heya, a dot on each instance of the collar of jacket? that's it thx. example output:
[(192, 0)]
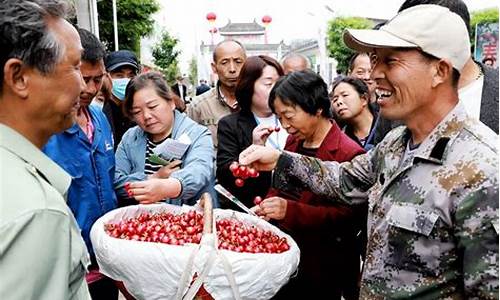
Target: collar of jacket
[(330, 143), (434, 147), (222, 99), (75, 128), (17, 144)]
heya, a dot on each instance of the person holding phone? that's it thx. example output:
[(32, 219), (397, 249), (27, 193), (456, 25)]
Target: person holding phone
[(141, 175)]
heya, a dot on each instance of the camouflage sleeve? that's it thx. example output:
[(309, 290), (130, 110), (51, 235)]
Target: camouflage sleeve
[(347, 182), (477, 236)]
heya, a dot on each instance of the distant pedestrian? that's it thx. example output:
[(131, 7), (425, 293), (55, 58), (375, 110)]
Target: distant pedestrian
[(295, 62), (180, 89), (203, 87)]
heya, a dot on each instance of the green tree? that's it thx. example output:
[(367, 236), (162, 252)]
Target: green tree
[(193, 71), (336, 47), (134, 21), (165, 56), (489, 15)]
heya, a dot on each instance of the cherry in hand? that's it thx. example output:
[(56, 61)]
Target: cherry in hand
[(242, 172)]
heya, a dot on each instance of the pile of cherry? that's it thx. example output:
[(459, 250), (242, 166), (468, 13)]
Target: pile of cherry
[(241, 173), (237, 236), (187, 228), (162, 227)]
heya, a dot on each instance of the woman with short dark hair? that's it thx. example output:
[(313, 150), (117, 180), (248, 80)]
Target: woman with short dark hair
[(326, 232)]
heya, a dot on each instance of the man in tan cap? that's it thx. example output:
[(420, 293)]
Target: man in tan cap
[(432, 185)]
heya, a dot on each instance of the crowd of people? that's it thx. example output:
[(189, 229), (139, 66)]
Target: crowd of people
[(394, 168)]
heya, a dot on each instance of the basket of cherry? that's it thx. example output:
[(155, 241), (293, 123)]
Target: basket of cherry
[(163, 251)]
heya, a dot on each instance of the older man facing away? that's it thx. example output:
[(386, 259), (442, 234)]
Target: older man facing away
[(42, 255), (85, 151)]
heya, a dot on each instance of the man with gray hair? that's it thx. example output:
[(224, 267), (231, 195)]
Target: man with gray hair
[(431, 185), (85, 151), (42, 254), (295, 62)]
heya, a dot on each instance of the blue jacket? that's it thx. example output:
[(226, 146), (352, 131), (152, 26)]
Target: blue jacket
[(92, 168), (197, 169)]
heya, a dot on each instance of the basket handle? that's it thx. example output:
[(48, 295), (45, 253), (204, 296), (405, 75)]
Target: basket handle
[(206, 202)]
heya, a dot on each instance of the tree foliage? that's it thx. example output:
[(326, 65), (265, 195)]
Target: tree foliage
[(193, 71), (166, 56), (336, 46), (489, 15), (134, 21)]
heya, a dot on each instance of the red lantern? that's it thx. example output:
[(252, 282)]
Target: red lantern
[(211, 17), (266, 20)]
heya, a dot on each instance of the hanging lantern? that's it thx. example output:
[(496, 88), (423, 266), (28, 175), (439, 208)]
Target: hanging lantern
[(211, 17), (266, 20)]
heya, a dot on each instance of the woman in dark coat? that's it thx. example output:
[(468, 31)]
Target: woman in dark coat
[(234, 133)]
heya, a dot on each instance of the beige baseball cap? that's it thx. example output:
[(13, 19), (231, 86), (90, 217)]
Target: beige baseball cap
[(431, 28)]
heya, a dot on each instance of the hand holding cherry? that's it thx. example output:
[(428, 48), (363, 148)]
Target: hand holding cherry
[(241, 173), (128, 190), (262, 132)]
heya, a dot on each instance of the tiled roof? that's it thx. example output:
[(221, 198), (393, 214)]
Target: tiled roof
[(241, 27), (256, 47)]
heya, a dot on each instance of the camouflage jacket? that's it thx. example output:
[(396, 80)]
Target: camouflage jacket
[(432, 221)]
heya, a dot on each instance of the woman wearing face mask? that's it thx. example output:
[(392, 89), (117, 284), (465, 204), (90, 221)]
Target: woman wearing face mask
[(351, 105), (324, 231), (138, 177), (113, 110), (235, 131)]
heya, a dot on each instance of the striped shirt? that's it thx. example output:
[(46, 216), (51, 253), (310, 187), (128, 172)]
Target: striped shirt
[(150, 167)]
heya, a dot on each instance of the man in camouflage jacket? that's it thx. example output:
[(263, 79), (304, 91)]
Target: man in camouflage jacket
[(431, 186)]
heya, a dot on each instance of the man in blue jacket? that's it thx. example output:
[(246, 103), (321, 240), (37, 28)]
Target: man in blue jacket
[(85, 151)]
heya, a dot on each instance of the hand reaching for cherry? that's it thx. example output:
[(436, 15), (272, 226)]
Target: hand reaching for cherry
[(270, 208), (262, 132)]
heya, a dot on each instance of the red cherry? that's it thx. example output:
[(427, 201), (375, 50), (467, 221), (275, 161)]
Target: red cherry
[(252, 173), (233, 166), (239, 182), (243, 170), (257, 200), (277, 129)]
